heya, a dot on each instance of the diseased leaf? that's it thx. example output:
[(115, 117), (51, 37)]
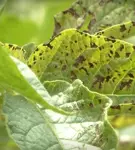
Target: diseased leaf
[(105, 65), (39, 130), (94, 15), (124, 31)]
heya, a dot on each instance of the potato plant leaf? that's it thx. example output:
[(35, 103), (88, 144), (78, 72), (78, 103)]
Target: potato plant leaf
[(35, 129), (123, 31), (94, 15), (15, 75), (105, 65)]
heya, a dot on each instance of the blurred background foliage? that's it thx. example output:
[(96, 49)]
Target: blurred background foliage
[(26, 21)]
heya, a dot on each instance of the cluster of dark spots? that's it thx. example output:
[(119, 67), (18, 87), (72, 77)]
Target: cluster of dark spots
[(91, 105), (79, 60), (73, 75), (122, 28), (82, 68), (91, 65), (125, 84), (128, 54), (99, 79), (116, 55), (115, 107), (108, 78), (131, 75), (93, 45), (64, 67)]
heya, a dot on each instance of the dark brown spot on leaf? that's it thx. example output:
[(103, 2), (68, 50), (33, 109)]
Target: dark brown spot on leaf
[(130, 108), (122, 28), (79, 60), (133, 23), (73, 75), (91, 65), (82, 68), (49, 45), (91, 105), (111, 51), (115, 107), (131, 75), (64, 67), (108, 78), (127, 54), (121, 47), (117, 55), (93, 45), (125, 84), (72, 12), (100, 80)]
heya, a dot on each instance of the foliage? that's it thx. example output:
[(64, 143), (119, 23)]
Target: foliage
[(84, 77)]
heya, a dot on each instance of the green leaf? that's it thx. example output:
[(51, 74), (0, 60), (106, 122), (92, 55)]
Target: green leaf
[(93, 15), (27, 126), (18, 77), (33, 129)]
